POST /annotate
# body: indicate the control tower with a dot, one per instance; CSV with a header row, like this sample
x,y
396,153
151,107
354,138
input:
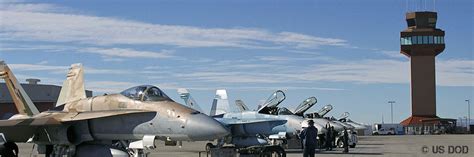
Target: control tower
x,y
422,42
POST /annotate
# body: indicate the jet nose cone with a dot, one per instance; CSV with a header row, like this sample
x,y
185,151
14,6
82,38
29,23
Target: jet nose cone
x,y
201,127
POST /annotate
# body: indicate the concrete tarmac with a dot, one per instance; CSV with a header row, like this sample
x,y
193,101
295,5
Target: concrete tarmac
x,y
403,146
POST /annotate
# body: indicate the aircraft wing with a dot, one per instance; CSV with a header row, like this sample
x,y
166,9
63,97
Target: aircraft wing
x,y
20,130
253,127
98,114
240,122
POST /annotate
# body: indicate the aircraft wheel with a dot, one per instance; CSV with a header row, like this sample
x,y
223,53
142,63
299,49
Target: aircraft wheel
x,y
273,151
49,150
9,149
209,146
340,144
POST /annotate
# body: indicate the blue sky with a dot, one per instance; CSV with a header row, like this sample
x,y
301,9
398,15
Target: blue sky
x,y
345,53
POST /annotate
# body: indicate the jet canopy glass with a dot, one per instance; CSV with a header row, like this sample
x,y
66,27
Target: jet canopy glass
x,y
275,99
325,110
145,93
284,111
270,106
305,105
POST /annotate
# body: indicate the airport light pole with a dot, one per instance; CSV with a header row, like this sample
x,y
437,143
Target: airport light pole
x,y
468,115
391,109
465,117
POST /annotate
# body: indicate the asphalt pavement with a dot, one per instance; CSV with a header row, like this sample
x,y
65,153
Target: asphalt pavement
x,y
403,146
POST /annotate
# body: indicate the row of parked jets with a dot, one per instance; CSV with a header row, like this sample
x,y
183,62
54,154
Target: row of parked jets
x,y
271,122
128,123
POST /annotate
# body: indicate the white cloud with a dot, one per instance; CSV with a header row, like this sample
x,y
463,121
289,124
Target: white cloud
x,y
127,53
63,69
365,71
455,72
40,22
109,54
449,73
37,48
37,67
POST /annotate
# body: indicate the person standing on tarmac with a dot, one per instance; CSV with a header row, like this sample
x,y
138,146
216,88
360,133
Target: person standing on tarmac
x,y
346,141
334,135
309,139
328,137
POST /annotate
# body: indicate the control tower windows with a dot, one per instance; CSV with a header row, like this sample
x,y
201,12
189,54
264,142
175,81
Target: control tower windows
x,y
414,40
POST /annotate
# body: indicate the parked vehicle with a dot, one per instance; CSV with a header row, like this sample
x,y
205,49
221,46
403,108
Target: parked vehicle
x,y
387,129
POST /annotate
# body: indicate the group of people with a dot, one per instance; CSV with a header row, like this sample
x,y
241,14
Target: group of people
x,y
309,139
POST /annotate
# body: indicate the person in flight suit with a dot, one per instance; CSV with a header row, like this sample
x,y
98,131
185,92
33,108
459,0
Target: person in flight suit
x,y
309,139
328,137
346,141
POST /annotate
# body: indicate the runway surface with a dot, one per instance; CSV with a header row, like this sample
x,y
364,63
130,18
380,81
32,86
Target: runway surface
x,y
406,146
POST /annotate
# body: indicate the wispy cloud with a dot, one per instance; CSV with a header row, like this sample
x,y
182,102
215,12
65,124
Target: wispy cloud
x,y
63,69
127,53
449,72
455,72
108,54
43,22
37,67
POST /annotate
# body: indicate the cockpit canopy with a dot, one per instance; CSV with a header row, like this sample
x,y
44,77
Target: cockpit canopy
x,y
145,93
284,111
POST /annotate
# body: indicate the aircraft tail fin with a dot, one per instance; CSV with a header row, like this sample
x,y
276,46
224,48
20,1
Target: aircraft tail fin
x,y
22,101
188,99
220,104
73,86
241,105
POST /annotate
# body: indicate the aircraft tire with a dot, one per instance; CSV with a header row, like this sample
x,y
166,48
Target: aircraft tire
x,y
273,150
340,144
209,146
9,149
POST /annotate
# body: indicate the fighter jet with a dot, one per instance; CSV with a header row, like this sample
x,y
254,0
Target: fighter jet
x,y
303,107
250,128
318,118
107,125
356,125
336,120
344,119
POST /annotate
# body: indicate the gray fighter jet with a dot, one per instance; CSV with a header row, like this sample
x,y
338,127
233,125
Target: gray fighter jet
x,y
110,125
250,128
